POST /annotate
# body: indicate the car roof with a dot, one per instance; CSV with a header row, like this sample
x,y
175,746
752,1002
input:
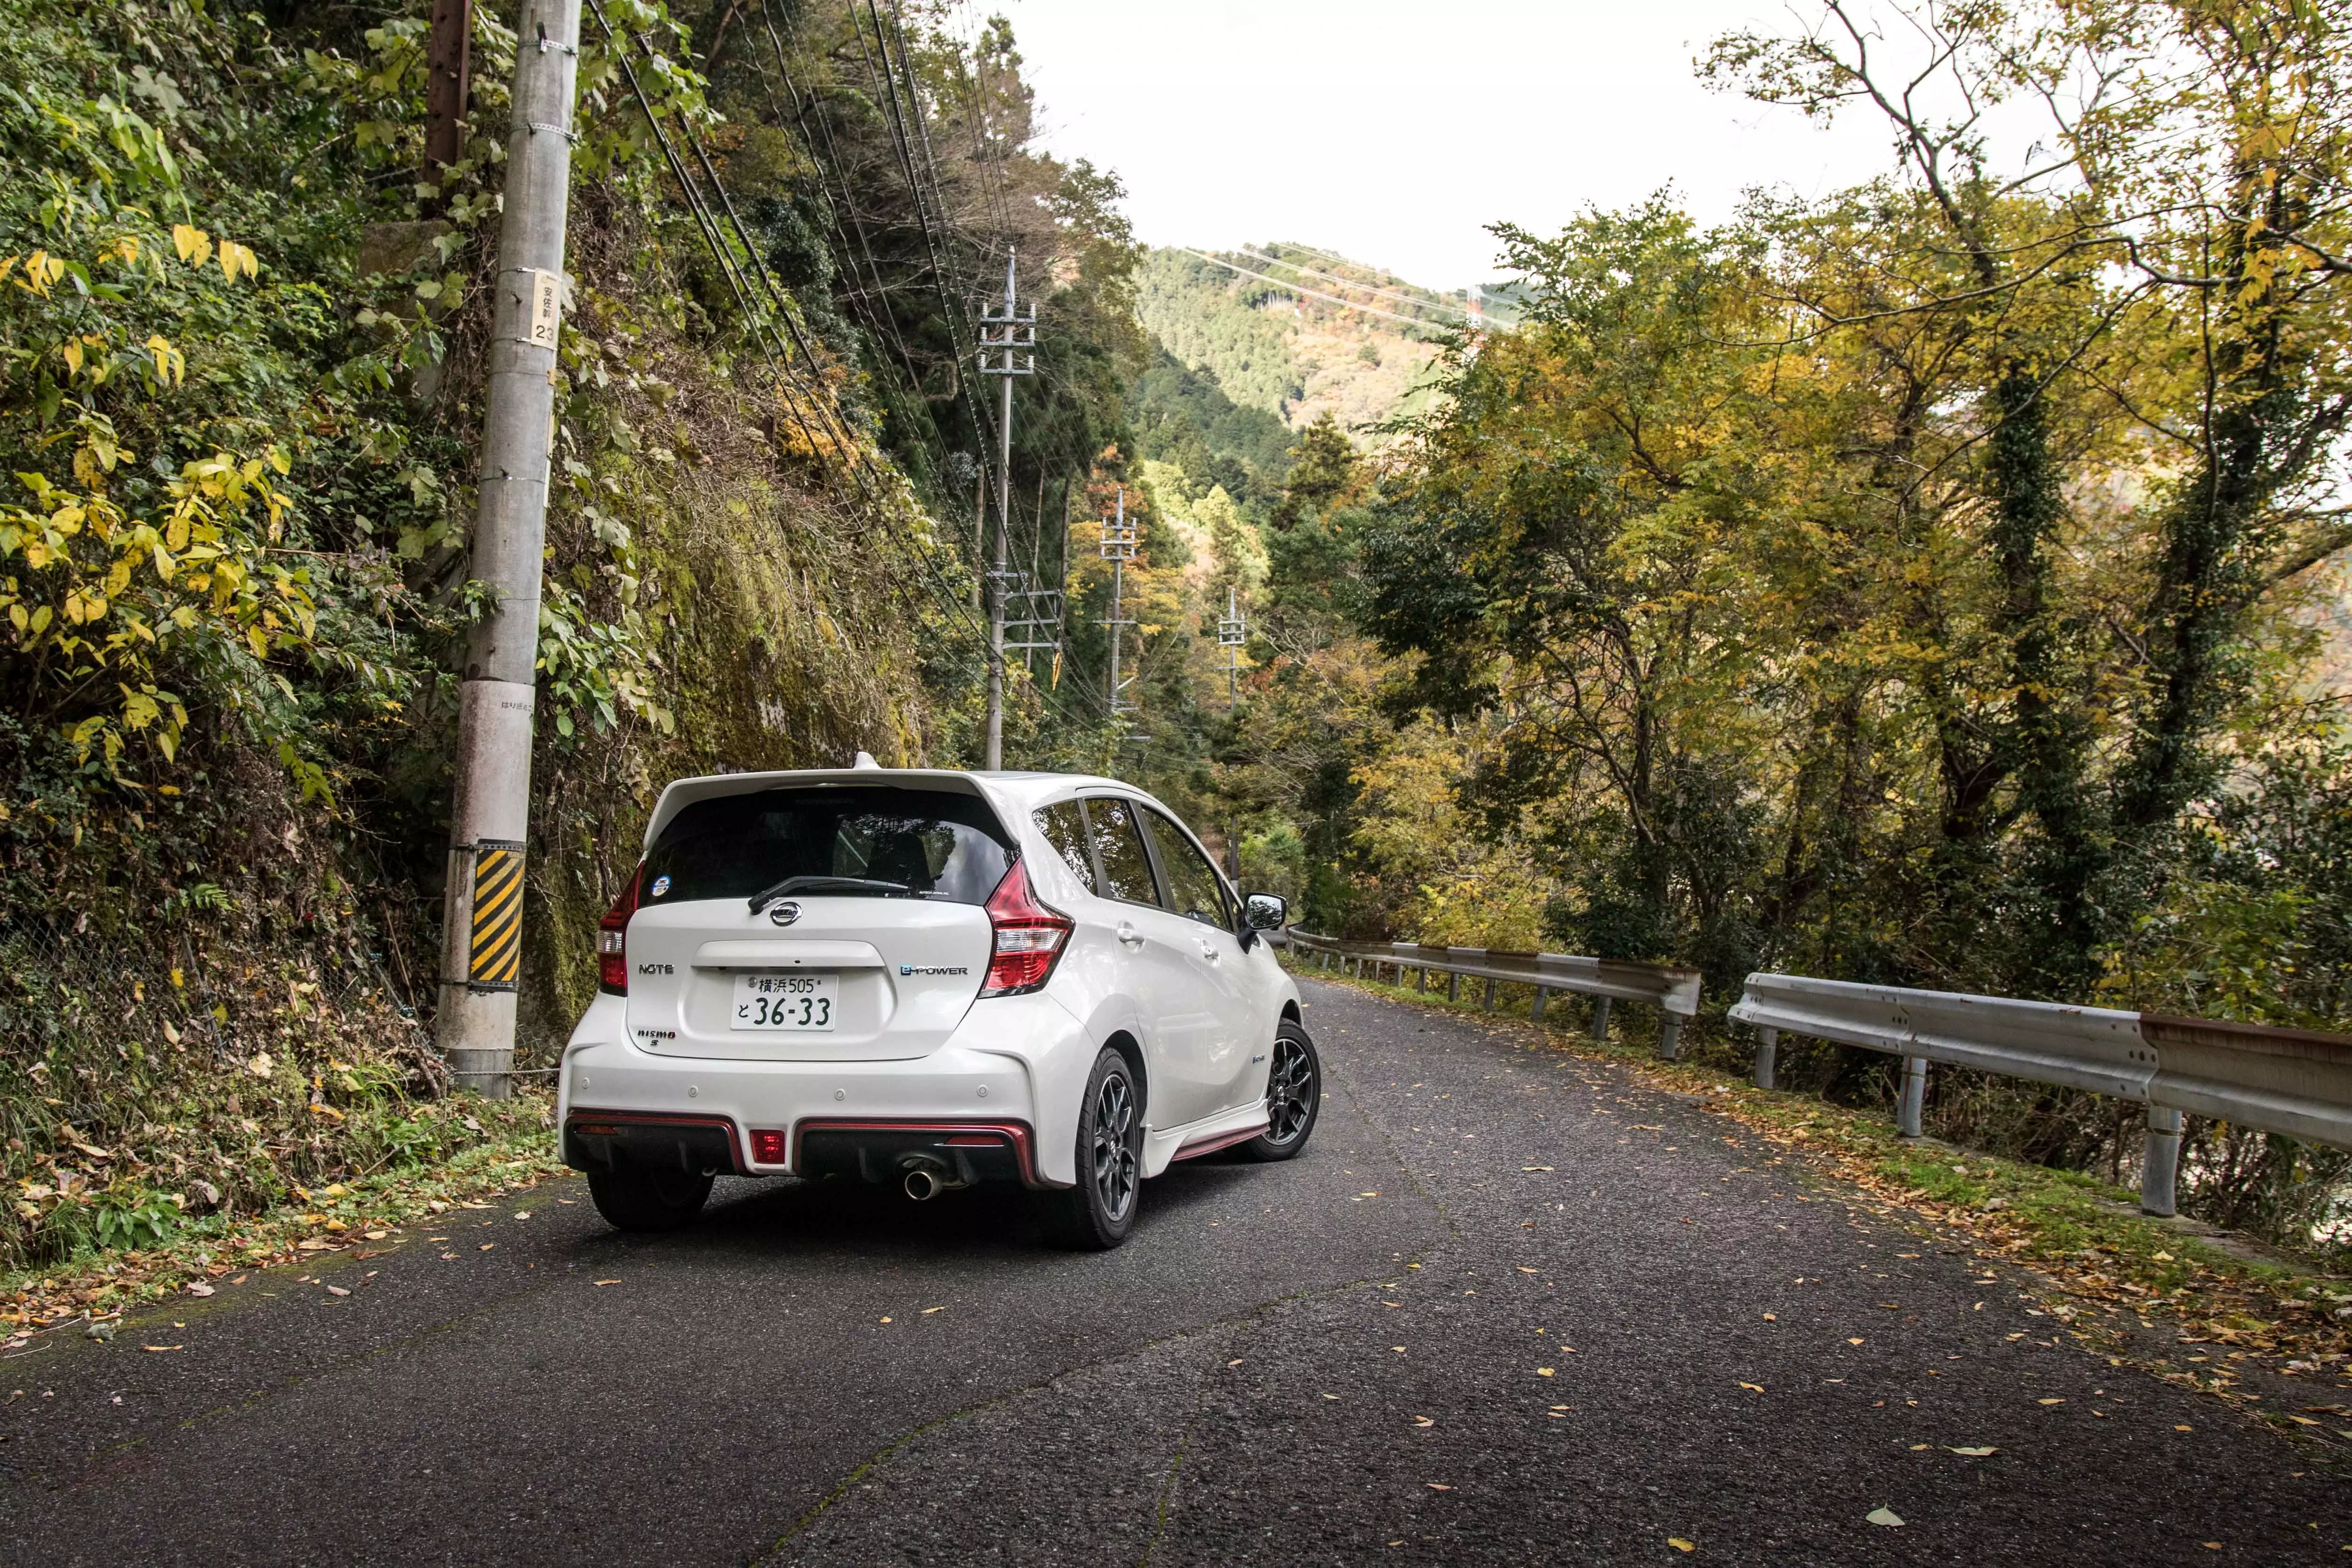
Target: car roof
x,y
1015,790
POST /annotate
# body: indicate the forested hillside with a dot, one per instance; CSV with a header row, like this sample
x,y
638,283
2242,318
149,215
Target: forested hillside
x,y
1930,582
242,328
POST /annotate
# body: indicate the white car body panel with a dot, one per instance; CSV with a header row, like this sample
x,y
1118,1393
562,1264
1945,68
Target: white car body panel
x,y
911,1046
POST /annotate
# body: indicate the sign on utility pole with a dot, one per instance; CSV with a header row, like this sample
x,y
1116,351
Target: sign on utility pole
x,y
481,942
1012,331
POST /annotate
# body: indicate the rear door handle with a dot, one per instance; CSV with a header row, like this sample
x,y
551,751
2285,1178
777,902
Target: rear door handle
x,y
1130,935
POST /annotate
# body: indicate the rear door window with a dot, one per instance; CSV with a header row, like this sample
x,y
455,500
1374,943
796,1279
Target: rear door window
x,y
1065,827
1118,846
1194,891
926,844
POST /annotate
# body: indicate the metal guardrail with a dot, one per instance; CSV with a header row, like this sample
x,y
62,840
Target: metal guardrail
x,y
2287,1081
1674,992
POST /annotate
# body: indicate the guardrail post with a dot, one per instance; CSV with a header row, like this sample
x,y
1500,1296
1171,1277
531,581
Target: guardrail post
x,y
1601,1018
1535,1014
1915,1096
1767,1041
2159,1171
1490,993
1420,980
1669,1037
1453,988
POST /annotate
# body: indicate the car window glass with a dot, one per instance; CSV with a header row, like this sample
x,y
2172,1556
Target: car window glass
x,y
933,844
1119,845
1193,890
1065,827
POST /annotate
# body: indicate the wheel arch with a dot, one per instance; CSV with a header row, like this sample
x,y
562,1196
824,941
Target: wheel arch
x,y
1127,1046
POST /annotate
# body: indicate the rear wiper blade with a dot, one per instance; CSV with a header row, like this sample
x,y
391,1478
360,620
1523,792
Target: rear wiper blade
x,y
792,884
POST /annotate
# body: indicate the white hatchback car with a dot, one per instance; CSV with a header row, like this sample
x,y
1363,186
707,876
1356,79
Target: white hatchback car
x,y
929,978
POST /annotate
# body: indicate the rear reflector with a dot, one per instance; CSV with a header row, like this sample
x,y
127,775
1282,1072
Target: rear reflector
x,y
767,1148
1029,937
612,939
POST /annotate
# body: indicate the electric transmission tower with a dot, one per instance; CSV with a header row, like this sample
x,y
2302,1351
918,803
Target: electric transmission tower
x,y
1003,336
1118,549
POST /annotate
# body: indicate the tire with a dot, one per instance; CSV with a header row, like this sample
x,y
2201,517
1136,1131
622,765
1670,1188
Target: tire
x,y
1098,1214
647,1200
1294,1096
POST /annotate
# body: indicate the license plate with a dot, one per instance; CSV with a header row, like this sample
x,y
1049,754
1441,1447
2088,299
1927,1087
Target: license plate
x,y
789,1003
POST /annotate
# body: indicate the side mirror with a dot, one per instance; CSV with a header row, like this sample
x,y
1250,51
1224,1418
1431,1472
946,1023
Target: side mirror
x,y
1266,912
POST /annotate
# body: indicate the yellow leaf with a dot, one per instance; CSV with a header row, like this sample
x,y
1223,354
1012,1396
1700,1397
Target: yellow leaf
x,y
1679,1544
195,245
73,357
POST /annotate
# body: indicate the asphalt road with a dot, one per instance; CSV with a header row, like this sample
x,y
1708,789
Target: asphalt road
x,y
1340,1360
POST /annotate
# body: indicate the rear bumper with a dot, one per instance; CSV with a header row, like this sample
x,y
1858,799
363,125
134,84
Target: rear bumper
x,y
985,1105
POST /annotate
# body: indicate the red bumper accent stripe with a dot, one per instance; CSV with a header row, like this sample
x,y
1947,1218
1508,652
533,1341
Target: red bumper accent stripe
x,y
1014,1132
1209,1145
663,1119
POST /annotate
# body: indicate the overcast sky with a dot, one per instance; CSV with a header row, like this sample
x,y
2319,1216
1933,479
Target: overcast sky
x,y
1394,133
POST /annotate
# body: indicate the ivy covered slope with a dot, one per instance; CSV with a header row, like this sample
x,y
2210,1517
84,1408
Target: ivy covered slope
x,y
241,349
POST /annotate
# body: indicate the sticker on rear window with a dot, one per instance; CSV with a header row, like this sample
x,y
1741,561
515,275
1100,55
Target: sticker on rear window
x,y
661,886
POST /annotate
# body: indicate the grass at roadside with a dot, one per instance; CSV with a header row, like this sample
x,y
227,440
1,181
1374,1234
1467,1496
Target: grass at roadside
x,y
88,1292
2123,1285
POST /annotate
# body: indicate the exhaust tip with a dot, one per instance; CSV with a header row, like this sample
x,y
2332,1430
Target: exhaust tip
x,y
923,1182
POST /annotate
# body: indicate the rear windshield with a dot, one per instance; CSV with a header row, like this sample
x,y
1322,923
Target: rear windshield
x,y
937,843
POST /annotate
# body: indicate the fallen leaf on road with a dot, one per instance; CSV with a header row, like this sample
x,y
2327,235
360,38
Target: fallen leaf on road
x,y
2184,1428
1679,1544
1524,1270
448,1257
1854,1341
1976,1453
1368,1194
1423,1421
314,1244
608,1281
886,1320
337,1291
1398,1348
1228,1364
1330,1397
200,1290
1535,1168
1883,1516
522,1214
159,1347
487,1245
2210,1545
1921,1448
1439,1486
1543,1372
1769,1318
1758,1386
929,1310
375,1235
2050,1402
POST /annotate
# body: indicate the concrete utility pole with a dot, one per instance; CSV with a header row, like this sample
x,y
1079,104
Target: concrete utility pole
x,y
1233,632
1012,331
1118,549
481,945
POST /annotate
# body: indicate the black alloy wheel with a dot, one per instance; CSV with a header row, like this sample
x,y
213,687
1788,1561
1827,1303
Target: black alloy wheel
x,y
1098,1214
1294,1096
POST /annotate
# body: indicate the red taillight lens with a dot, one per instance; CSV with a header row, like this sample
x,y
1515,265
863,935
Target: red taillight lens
x,y
767,1148
612,939
1029,937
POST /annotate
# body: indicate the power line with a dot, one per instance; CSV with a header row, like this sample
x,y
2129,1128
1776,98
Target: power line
x,y
1394,294
1311,293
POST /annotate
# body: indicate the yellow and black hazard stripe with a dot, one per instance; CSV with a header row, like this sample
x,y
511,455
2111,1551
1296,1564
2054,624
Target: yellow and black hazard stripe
x,y
498,916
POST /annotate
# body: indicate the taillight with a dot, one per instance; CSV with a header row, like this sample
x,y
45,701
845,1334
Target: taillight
x,y
767,1148
612,939
1029,937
